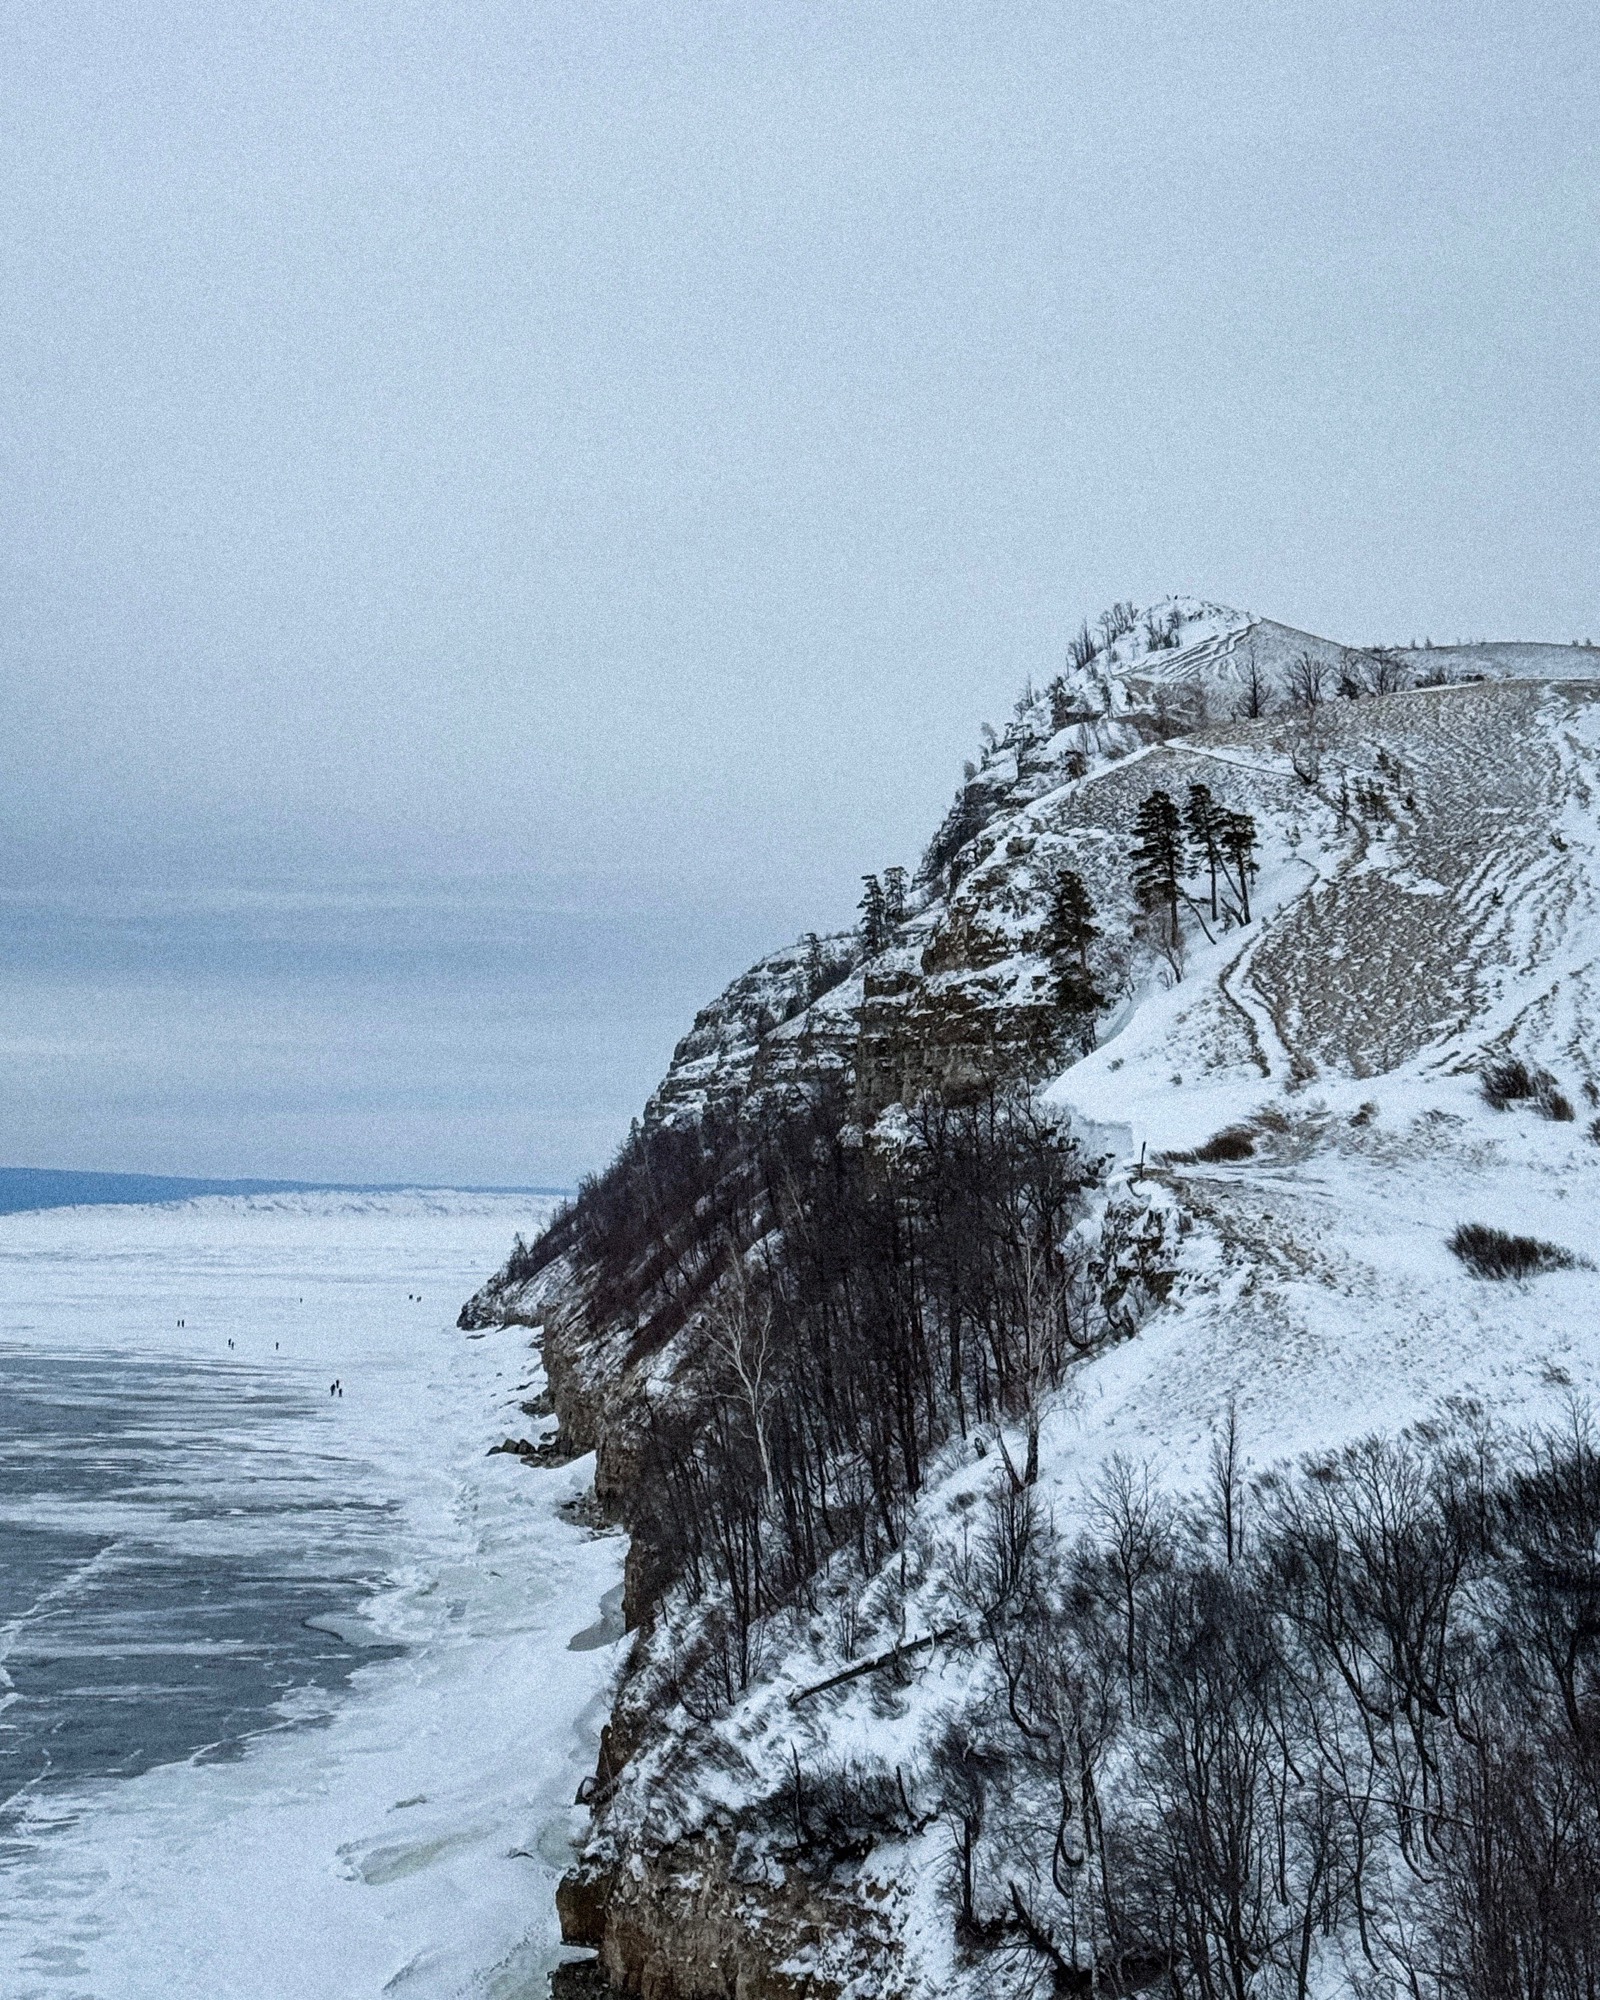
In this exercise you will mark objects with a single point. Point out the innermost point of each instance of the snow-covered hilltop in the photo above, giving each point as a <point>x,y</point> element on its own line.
<point>919,1277</point>
<point>1184,693</point>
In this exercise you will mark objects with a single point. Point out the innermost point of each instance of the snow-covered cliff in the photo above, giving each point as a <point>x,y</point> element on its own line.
<point>1283,1122</point>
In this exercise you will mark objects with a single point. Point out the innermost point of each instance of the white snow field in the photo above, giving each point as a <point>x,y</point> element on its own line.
<point>400,1833</point>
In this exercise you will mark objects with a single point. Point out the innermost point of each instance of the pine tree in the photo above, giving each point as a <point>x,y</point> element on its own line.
<point>1069,930</point>
<point>1237,837</point>
<point>1157,858</point>
<point>816,977</point>
<point>1202,820</point>
<point>894,896</point>
<point>875,930</point>
<point>1060,703</point>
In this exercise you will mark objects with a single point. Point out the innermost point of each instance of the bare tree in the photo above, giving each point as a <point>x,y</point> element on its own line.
<point>740,1329</point>
<point>1227,1484</point>
<point>1224,1766</point>
<point>1381,671</point>
<point>1132,1519</point>
<point>1305,753</point>
<point>1041,1294</point>
<point>968,1771</point>
<point>1307,682</point>
<point>1256,694</point>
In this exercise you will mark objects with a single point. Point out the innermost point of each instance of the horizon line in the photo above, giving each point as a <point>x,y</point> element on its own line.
<point>40,1183</point>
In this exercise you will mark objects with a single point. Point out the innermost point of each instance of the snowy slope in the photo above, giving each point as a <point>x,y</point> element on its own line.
<point>1428,902</point>
<point>1231,687</point>
<point>1317,1295</point>
<point>1505,659</point>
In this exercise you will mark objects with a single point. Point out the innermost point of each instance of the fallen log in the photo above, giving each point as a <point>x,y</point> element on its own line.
<point>900,1652</point>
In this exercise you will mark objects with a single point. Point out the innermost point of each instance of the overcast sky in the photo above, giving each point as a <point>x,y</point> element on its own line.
<point>507,510</point>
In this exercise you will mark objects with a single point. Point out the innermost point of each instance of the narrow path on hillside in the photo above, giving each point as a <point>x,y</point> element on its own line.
<point>1261,1021</point>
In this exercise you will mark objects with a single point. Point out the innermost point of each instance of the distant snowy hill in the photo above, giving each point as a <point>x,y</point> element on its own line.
<point>1290,1115</point>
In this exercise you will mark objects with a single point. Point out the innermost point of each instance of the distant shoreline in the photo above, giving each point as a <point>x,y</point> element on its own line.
<point>27,1188</point>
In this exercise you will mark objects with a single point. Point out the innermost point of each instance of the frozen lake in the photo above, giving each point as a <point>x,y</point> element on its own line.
<point>287,1703</point>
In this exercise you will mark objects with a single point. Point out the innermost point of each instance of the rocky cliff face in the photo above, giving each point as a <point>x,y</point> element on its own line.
<point>1279,1120</point>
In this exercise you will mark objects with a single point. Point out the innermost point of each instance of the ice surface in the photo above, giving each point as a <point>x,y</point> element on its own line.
<point>400,1832</point>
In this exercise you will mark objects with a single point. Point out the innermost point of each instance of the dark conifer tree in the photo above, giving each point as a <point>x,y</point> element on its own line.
<point>1158,858</point>
<point>1069,930</point>
<point>875,927</point>
<point>966,818</point>
<point>816,977</point>
<point>1060,703</point>
<point>1240,844</point>
<point>894,896</point>
<point>1202,821</point>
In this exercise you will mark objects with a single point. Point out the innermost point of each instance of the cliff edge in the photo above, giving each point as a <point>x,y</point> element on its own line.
<point>987,1285</point>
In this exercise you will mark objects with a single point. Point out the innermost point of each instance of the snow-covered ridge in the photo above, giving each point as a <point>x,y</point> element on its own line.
<point>1294,1104</point>
<point>1181,672</point>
